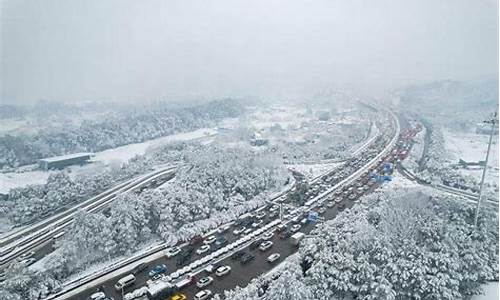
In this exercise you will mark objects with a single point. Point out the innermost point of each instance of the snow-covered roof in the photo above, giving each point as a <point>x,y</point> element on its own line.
<point>67,156</point>
<point>158,287</point>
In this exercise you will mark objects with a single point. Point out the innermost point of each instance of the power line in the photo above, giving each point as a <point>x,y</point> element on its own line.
<point>493,121</point>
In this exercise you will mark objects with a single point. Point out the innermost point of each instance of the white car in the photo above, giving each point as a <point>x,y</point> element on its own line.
<point>265,245</point>
<point>257,223</point>
<point>295,228</point>
<point>260,215</point>
<point>172,252</point>
<point>238,231</point>
<point>222,270</point>
<point>203,295</point>
<point>247,231</point>
<point>223,229</point>
<point>28,261</point>
<point>268,235</point>
<point>273,257</point>
<point>330,204</point>
<point>98,296</point>
<point>203,249</point>
<point>203,282</point>
<point>209,240</point>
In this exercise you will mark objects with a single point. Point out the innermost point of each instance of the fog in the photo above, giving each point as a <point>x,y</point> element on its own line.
<point>142,50</point>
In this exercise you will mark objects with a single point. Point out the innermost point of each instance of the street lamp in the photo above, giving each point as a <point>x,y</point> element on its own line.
<point>493,121</point>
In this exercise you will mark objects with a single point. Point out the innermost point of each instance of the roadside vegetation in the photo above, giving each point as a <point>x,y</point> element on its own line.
<point>400,244</point>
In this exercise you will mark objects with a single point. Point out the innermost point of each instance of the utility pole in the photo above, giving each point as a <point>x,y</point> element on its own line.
<point>493,121</point>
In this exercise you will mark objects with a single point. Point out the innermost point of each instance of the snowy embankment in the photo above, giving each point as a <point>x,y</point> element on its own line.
<point>411,163</point>
<point>101,159</point>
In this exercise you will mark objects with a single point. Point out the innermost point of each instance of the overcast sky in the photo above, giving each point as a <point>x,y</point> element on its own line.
<point>129,49</point>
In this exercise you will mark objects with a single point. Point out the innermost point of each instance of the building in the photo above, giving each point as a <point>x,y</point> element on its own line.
<point>59,162</point>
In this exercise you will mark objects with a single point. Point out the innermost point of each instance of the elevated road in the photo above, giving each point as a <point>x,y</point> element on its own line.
<point>25,240</point>
<point>364,163</point>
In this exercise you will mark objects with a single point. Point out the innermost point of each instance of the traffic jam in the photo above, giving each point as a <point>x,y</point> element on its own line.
<point>254,243</point>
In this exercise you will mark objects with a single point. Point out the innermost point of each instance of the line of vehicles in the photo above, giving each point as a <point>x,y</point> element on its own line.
<point>162,286</point>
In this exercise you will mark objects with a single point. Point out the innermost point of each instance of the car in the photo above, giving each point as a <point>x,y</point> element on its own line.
<point>159,269</point>
<point>304,221</point>
<point>27,255</point>
<point>203,295</point>
<point>222,270</point>
<point>209,240</point>
<point>98,296</point>
<point>273,257</point>
<point>260,215</point>
<point>247,231</point>
<point>321,210</point>
<point>341,206</point>
<point>268,235</point>
<point>125,282</point>
<point>274,208</point>
<point>157,277</point>
<point>257,223</point>
<point>295,228</point>
<point>246,258</point>
<point>239,231</point>
<point>265,245</point>
<point>338,199</point>
<point>330,204</point>
<point>178,296</point>
<point>255,244</point>
<point>203,282</point>
<point>352,197</point>
<point>202,249</point>
<point>171,252</point>
<point>223,229</point>
<point>281,227</point>
<point>274,214</point>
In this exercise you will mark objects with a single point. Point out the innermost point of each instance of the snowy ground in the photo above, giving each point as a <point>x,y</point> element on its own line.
<point>490,292</point>
<point>472,147</point>
<point>100,160</point>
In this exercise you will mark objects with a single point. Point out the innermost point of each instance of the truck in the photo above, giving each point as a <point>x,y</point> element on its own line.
<point>296,238</point>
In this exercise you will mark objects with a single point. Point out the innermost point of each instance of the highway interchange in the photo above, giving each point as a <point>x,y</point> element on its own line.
<point>335,185</point>
<point>344,185</point>
<point>37,240</point>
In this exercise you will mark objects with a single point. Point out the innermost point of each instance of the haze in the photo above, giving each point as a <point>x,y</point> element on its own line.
<point>143,50</point>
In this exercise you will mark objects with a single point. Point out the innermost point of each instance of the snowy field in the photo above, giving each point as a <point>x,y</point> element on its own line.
<point>472,147</point>
<point>124,153</point>
<point>100,160</point>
